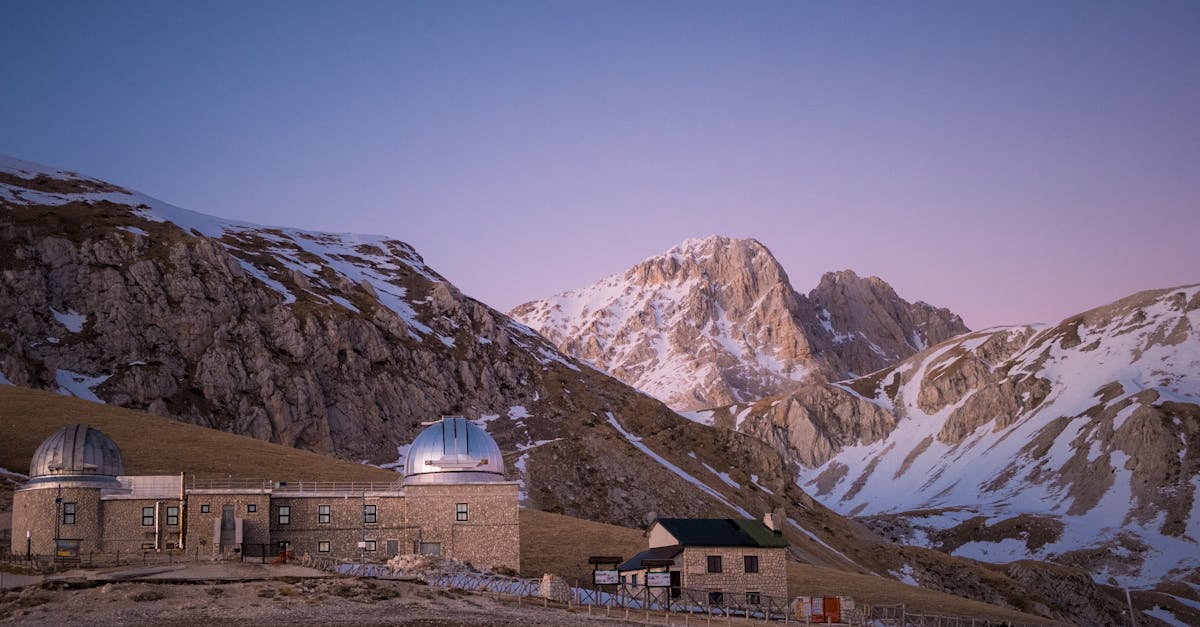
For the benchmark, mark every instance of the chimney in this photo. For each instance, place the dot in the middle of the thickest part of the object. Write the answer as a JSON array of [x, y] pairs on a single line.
[[774, 520]]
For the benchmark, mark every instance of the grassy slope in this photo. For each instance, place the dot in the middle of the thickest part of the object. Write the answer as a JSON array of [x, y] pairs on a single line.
[[549, 542], [153, 445]]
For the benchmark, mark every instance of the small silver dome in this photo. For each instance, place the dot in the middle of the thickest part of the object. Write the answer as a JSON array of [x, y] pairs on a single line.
[[453, 450], [77, 450]]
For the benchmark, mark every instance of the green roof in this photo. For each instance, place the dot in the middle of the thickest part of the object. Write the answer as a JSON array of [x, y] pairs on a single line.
[[722, 532]]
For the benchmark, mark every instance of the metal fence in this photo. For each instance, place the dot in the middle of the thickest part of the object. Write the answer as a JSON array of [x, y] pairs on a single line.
[[51, 563]]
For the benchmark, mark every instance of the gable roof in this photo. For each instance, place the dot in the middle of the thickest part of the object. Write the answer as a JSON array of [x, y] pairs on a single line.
[[657, 553], [722, 532]]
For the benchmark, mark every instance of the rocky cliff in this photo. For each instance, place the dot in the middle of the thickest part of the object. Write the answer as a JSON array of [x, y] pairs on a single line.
[[716, 321], [1076, 442]]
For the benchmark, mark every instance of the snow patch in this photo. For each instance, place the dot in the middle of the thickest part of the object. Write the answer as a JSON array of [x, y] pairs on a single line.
[[70, 319], [79, 385]]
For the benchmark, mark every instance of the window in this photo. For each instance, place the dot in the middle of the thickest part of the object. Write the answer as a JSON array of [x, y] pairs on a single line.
[[323, 515], [430, 548], [751, 563], [623, 580], [147, 545], [634, 579], [460, 512], [251, 507], [323, 546], [285, 515], [716, 598], [204, 509], [368, 513], [370, 545], [172, 516], [753, 598], [68, 513], [148, 517], [714, 563]]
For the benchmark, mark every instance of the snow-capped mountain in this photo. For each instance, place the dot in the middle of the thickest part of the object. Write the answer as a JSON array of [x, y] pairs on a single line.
[[1077, 443], [716, 321]]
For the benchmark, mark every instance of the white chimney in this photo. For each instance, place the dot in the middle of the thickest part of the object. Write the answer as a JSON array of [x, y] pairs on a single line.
[[774, 520]]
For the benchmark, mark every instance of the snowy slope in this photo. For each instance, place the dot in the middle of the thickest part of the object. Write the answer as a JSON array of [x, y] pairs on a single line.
[[1090, 426]]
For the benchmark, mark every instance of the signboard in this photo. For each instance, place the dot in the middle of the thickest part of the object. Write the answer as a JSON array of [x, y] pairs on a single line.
[[66, 548], [605, 577], [658, 580]]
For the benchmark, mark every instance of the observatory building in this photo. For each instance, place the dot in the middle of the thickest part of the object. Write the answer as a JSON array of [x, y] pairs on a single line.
[[453, 501]]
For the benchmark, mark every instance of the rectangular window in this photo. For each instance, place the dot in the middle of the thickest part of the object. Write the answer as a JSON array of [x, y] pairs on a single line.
[[634, 578], [753, 598], [430, 548], [323, 515], [714, 563], [716, 598], [68, 513], [323, 546], [251, 507], [368, 513], [370, 545], [751, 563], [285, 515], [147, 545], [148, 517], [204, 509], [460, 512], [172, 516]]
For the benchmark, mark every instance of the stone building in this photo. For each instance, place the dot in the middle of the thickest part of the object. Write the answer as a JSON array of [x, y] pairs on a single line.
[[735, 560], [452, 501]]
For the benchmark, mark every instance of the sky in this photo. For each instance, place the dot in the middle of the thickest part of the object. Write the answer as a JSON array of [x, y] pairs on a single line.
[[1014, 161]]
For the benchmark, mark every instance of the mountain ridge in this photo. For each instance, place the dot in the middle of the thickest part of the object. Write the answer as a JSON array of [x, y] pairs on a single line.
[[1074, 442], [716, 320]]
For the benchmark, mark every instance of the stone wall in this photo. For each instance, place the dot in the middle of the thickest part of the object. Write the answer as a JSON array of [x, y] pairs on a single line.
[[36, 511], [255, 525], [490, 537], [770, 580], [124, 531], [347, 525]]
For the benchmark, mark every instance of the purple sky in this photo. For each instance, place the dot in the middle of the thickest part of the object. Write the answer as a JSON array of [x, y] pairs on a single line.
[[1013, 161]]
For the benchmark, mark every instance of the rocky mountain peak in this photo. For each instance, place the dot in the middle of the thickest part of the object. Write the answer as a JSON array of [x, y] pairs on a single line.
[[716, 320], [895, 327]]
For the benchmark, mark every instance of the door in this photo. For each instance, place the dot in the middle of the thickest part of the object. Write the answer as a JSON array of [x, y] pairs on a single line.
[[228, 527], [675, 584]]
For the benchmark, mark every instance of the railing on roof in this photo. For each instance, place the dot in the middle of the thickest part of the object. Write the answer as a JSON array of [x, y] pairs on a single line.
[[291, 487], [151, 486]]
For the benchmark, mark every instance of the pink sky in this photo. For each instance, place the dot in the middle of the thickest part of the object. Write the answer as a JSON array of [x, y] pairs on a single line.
[[1015, 162]]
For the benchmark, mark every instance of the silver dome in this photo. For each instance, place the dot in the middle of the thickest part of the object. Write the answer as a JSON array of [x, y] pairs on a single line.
[[77, 450], [453, 450]]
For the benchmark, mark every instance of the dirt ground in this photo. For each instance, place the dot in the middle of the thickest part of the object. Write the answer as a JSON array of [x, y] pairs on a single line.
[[205, 595]]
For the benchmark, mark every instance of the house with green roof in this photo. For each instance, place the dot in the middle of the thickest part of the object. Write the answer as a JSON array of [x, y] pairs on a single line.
[[736, 561]]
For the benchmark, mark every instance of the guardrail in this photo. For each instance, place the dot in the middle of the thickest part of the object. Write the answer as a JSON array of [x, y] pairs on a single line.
[[291, 487]]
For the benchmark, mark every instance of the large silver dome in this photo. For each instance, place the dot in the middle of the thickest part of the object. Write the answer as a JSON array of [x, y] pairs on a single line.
[[453, 450], [77, 450]]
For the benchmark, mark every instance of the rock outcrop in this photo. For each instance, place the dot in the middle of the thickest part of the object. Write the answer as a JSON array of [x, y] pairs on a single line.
[[716, 321]]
